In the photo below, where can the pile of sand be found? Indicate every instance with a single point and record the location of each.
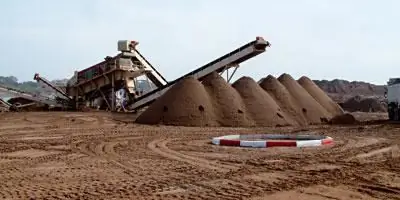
(284, 99)
(311, 109)
(214, 102)
(343, 119)
(320, 96)
(358, 103)
(185, 104)
(260, 105)
(228, 106)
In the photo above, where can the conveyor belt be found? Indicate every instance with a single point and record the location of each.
(152, 72)
(48, 83)
(5, 103)
(26, 95)
(153, 75)
(237, 56)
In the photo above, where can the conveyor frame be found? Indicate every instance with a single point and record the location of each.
(233, 58)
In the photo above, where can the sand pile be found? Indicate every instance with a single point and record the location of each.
(260, 105)
(185, 104)
(320, 96)
(362, 104)
(372, 105)
(214, 102)
(311, 109)
(228, 106)
(283, 98)
(343, 119)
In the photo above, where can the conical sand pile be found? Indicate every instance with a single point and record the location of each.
(184, 104)
(282, 96)
(214, 102)
(311, 109)
(260, 105)
(320, 96)
(228, 106)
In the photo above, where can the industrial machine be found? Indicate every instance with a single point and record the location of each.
(34, 98)
(393, 98)
(5, 104)
(63, 99)
(115, 83)
(220, 65)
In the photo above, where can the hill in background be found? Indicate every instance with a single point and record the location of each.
(342, 90)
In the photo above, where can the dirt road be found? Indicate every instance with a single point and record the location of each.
(100, 156)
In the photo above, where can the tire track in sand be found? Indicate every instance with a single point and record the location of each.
(160, 147)
(105, 150)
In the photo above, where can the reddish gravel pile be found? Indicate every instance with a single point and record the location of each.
(214, 102)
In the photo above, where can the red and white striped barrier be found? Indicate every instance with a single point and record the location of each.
(272, 140)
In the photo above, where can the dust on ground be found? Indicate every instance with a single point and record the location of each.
(103, 156)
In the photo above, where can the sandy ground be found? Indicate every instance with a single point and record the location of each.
(103, 156)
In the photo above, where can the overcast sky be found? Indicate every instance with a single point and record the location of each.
(323, 39)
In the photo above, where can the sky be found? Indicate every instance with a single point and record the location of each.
(322, 39)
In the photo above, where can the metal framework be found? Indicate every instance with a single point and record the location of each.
(219, 65)
(121, 73)
(229, 74)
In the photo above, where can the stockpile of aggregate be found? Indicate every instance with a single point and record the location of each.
(214, 102)
(363, 104)
(313, 111)
(320, 96)
(229, 108)
(346, 118)
(284, 99)
(185, 104)
(260, 105)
